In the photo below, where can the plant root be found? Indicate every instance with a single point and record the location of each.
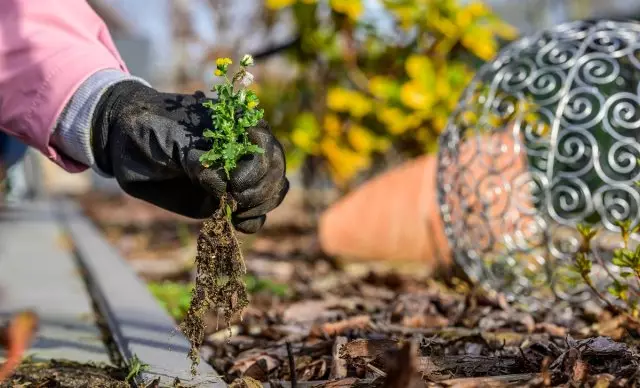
(220, 271)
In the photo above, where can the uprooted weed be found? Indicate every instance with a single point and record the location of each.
(219, 263)
(220, 271)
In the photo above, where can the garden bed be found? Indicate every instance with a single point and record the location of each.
(312, 322)
(60, 373)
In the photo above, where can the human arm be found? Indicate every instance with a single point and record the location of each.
(63, 82)
(47, 51)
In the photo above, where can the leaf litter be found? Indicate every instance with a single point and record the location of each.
(354, 326)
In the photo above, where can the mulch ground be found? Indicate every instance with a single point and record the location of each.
(320, 324)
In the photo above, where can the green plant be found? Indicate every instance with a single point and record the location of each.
(174, 297)
(233, 113)
(136, 366)
(363, 88)
(220, 268)
(256, 285)
(623, 281)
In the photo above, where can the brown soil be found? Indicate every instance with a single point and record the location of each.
(364, 325)
(66, 374)
(219, 277)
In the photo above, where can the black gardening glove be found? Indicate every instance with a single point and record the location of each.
(151, 143)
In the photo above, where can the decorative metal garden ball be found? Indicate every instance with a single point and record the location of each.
(545, 137)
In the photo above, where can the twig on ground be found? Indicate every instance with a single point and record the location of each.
(292, 366)
(338, 364)
(377, 371)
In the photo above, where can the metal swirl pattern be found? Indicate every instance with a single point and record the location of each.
(555, 142)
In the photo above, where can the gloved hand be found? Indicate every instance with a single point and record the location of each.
(151, 143)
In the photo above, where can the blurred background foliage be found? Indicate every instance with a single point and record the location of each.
(351, 87)
(366, 93)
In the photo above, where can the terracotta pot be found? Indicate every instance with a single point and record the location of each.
(392, 217)
(395, 216)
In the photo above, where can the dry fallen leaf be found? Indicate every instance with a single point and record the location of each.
(16, 338)
(552, 329)
(579, 372)
(337, 328)
(245, 382)
(343, 383)
(367, 349)
(253, 360)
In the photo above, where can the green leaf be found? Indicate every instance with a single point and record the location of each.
(618, 290)
(623, 258)
(254, 149)
(228, 211)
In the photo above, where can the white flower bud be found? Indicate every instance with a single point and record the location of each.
(247, 79)
(247, 60)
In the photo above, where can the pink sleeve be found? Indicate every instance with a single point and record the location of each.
(47, 49)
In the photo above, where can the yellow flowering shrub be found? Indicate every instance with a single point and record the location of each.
(358, 94)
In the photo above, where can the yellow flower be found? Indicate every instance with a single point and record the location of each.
(359, 106)
(361, 139)
(480, 42)
(443, 25)
(344, 163)
(443, 90)
(390, 115)
(344, 100)
(416, 64)
(252, 104)
(279, 4)
(395, 120)
(332, 125)
(223, 62)
(352, 8)
(464, 19)
(218, 73)
(452, 101)
(406, 14)
(381, 87)
(469, 118)
(416, 118)
(478, 9)
(420, 68)
(485, 52)
(506, 31)
(494, 120)
(305, 133)
(416, 96)
(440, 119)
(338, 99)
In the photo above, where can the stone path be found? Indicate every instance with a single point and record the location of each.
(37, 271)
(54, 261)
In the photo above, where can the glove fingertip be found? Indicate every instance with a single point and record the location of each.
(250, 225)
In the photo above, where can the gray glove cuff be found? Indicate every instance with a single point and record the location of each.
(72, 133)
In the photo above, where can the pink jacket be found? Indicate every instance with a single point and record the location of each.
(47, 49)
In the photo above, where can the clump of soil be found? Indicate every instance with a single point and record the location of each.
(220, 269)
(68, 374)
